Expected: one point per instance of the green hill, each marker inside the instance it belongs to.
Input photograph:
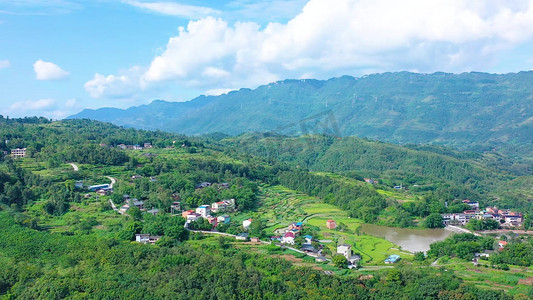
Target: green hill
(470, 110)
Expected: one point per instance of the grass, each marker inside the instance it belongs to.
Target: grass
(489, 278)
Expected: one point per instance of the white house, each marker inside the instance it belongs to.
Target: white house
(246, 223)
(218, 206)
(288, 238)
(203, 210)
(345, 250)
(193, 217)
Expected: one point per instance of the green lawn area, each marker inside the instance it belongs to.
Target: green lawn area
(489, 278)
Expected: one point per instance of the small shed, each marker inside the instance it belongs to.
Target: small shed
(331, 224)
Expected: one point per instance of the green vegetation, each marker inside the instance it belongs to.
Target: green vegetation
(475, 111)
(62, 241)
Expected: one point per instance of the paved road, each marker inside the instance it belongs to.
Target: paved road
(232, 235)
(460, 230)
(115, 207)
(113, 181)
(75, 167)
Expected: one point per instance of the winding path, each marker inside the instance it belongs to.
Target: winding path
(75, 167)
(113, 181)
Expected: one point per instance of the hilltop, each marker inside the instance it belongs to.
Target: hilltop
(476, 111)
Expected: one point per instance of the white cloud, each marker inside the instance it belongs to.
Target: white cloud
(48, 71)
(114, 86)
(23, 106)
(70, 103)
(4, 64)
(331, 38)
(174, 9)
(217, 92)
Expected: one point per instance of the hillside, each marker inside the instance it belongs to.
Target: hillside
(470, 110)
(62, 240)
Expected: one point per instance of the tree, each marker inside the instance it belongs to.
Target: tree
(527, 221)
(434, 220)
(135, 213)
(200, 224)
(176, 232)
(326, 251)
(340, 261)
(419, 256)
(256, 228)
(223, 243)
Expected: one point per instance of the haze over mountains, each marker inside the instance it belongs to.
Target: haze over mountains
(456, 109)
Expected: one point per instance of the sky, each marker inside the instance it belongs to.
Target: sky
(58, 57)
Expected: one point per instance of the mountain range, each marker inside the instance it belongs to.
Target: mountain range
(465, 110)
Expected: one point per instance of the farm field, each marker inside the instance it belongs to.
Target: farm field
(514, 281)
(281, 206)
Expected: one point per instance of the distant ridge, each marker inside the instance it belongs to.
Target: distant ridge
(455, 109)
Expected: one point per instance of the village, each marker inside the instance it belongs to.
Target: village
(506, 218)
(217, 213)
(290, 237)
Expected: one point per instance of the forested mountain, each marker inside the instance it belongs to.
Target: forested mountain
(448, 173)
(469, 110)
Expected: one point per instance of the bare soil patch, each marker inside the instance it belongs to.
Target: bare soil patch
(527, 281)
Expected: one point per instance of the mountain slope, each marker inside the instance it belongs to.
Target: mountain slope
(455, 109)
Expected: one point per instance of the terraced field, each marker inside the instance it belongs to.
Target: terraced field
(281, 206)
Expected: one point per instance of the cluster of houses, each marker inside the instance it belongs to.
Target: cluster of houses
(204, 211)
(146, 238)
(130, 203)
(371, 181)
(131, 147)
(289, 233)
(506, 217)
(219, 186)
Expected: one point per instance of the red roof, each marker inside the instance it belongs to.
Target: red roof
(330, 221)
(502, 242)
(289, 234)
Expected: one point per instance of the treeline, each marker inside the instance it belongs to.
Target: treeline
(391, 164)
(462, 245)
(517, 252)
(41, 135)
(89, 154)
(95, 267)
(360, 201)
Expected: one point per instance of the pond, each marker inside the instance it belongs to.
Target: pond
(408, 238)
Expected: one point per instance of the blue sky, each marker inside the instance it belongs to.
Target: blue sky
(58, 57)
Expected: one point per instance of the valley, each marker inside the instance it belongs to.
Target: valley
(59, 195)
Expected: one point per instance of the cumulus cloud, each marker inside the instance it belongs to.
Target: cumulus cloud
(46, 107)
(174, 9)
(33, 105)
(331, 38)
(48, 71)
(113, 86)
(4, 64)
